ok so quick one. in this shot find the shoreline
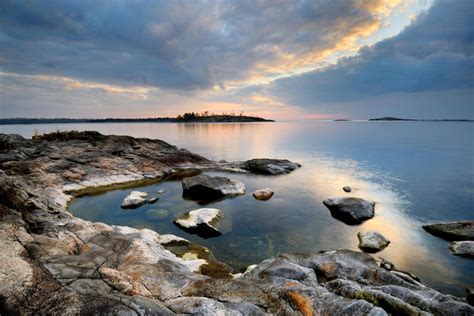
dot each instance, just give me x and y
(55, 254)
(210, 119)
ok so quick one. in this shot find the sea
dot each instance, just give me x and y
(416, 172)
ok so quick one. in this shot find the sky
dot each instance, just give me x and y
(286, 60)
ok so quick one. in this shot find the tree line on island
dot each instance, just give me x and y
(188, 117)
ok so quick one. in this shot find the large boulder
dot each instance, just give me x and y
(462, 248)
(452, 231)
(206, 188)
(372, 241)
(134, 199)
(270, 166)
(350, 210)
(203, 222)
(263, 194)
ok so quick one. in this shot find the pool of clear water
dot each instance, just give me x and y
(417, 172)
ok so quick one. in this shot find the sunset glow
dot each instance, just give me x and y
(284, 61)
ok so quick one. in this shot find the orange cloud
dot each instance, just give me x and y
(343, 40)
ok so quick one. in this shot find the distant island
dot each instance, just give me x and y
(191, 117)
(390, 118)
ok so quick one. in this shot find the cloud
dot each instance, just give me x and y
(433, 54)
(48, 96)
(179, 44)
(147, 58)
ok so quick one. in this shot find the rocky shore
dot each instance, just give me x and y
(54, 263)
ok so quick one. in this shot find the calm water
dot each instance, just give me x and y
(417, 172)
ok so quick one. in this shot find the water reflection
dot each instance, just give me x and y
(416, 172)
(410, 247)
(295, 219)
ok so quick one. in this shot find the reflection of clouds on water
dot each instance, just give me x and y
(237, 140)
(408, 248)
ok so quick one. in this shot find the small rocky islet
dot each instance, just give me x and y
(55, 263)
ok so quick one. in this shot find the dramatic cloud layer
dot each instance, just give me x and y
(274, 58)
(178, 44)
(433, 54)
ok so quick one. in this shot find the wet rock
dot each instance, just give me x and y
(134, 199)
(463, 248)
(372, 241)
(153, 200)
(263, 194)
(206, 188)
(270, 166)
(203, 222)
(347, 189)
(351, 210)
(160, 192)
(452, 231)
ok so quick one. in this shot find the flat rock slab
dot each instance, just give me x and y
(207, 188)
(263, 194)
(203, 222)
(452, 231)
(350, 210)
(462, 248)
(134, 199)
(372, 242)
(270, 166)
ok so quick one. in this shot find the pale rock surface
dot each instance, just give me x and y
(203, 222)
(134, 199)
(462, 248)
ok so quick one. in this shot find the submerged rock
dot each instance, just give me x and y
(263, 194)
(270, 166)
(203, 222)
(206, 188)
(350, 210)
(372, 241)
(347, 189)
(157, 214)
(452, 231)
(462, 248)
(153, 200)
(134, 199)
